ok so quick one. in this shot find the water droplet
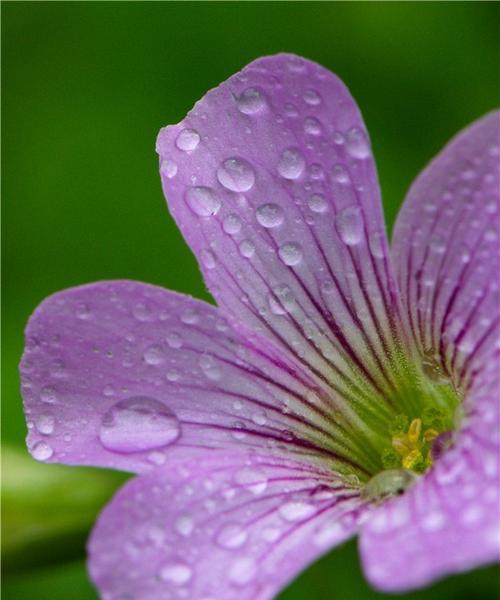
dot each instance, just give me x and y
(247, 249)
(82, 311)
(187, 140)
(376, 244)
(250, 101)
(312, 97)
(236, 174)
(340, 174)
(172, 375)
(290, 253)
(42, 451)
(178, 573)
(190, 317)
(210, 367)
(208, 258)
(231, 536)
(184, 525)
(291, 110)
(243, 570)
(296, 511)
(291, 164)
(174, 340)
(392, 482)
(45, 424)
(269, 215)
(312, 126)
(232, 224)
(168, 168)
(317, 203)
(48, 395)
(202, 201)
(137, 424)
(142, 312)
(154, 355)
(253, 479)
(357, 143)
(349, 225)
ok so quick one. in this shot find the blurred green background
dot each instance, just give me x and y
(86, 88)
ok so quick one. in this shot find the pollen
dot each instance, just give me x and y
(411, 442)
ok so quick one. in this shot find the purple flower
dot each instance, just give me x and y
(338, 388)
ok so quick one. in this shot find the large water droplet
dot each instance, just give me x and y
(357, 143)
(42, 451)
(296, 511)
(178, 573)
(290, 253)
(137, 424)
(187, 140)
(349, 225)
(317, 203)
(250, 101)
(202, 201)
(174, 340)
(231, 536)
(291, 164)
(269, 215)
(236, 174)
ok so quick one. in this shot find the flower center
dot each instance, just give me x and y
(396, 436)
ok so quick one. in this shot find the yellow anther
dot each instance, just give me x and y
(411, 459)
(400, 444)
(414, 431)
(430, 434)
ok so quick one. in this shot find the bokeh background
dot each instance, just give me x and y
(87, 85)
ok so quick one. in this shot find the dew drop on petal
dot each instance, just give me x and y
(202, 201)
(291, 164)
(312, 126)
(154, 355)
(42, 451)
(243, 570)
(376, 244)
(208, 258)
(317, 203)
(349, 225)
(253, 479)
(48, 395)
(45, 424)
(357, 143)
(247, 249)
(312, 97)
(137, 424)
(290, 253)
(296, 511)
(184, 525)
(236, 174)
(168, 168)
(178, 573)
(232, 224)
(340, 174)
(187, 140)
(250, 101)
(269, 215)
(231, 536)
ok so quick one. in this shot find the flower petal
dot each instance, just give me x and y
(450, 520)
(225, 525)
(271, 179)
(446, 252)
(119, 374)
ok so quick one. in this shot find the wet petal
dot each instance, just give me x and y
(449, 521)
(446, 252)
(280, 202)
(123, 374)
(223, 526)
